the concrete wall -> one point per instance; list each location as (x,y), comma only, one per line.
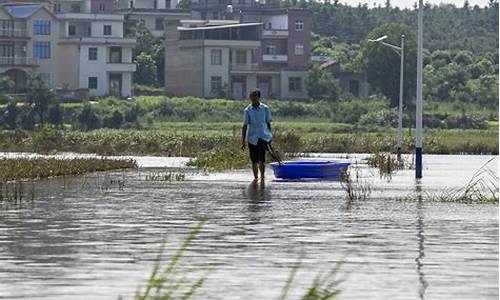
(97,28)
(216,70)
(68,73)
(299,37)
(183,68)
(93,68)
(277,22)
(285,91)
(48,66)
(108,4)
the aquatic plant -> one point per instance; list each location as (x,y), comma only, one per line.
(221,159)
(165,176)
(43,167)
(482,187)
(354,187)
(171,282)
(387,163)
(323,287)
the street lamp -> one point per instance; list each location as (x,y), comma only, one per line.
(401,52)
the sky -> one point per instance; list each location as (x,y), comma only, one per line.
(410,3)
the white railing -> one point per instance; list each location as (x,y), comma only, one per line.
(244,67)
(13,32)
(276,32)
(17,61)
(275,57)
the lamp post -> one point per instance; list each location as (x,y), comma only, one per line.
(418,117)
(401,52)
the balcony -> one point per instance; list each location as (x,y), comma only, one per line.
(120,67)
(275,58)
(243,67)
(13,33)
(275,33)
(18,61)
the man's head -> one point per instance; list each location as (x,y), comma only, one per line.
(255,97)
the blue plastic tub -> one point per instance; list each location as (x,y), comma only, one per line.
(309,169)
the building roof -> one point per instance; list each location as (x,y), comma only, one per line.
(219,26)
(22,11)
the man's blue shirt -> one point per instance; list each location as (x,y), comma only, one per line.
(257,118)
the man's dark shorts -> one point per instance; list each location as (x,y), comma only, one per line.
(258,152)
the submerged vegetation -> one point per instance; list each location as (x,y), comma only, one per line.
(170,282)
(387,163)
(165,176)
(482,187)
(43,167)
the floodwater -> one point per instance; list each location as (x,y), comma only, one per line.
(97,236)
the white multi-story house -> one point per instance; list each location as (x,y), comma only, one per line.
(73,45)
(152,12)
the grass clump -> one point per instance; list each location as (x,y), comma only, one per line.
(43,167)
(482,188)
(171,282)
(165,176)
(354,186)
(221,159)
(387,163)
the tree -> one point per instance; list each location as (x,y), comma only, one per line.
(152,50)
(184,4)
(10,115)
(320,84)
(56,113)
(88,119)
(39,96)
(5,85)
(382,65)
(146,69)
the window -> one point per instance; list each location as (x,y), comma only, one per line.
(57,8)
(216,57)
(102,6)
(115,55)
(75,8)
(271,49)
(242,2)
(241,57)
(93,83)
(299,25)
(155,4)
(41,27)
(159,23)
(45,77)
(216,83)
(92,53)
(168,4)
(71,30)
(107,29)
(299,49)
(295,84)
(41,49)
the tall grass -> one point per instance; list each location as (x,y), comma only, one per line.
(43,167)
(169,282)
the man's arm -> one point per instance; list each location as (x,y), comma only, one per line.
(243,135)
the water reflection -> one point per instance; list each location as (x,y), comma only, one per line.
(257,192)
(421,240)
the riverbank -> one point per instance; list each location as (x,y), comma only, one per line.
(19,168)
(174,139)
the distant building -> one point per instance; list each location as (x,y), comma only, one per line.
(277,60)
(73,45)
(354,83)
(211,59)
(152,12)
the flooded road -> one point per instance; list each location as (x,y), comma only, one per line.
(96,237)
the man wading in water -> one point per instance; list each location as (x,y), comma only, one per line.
(257,119)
